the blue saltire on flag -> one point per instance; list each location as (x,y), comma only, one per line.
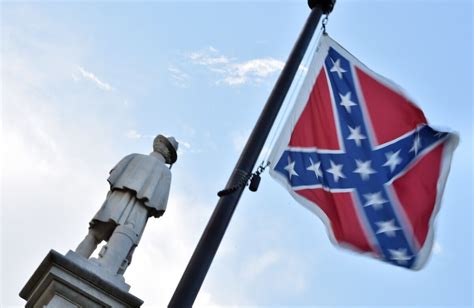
(360,154)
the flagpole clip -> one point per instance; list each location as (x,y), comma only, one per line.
(324,23)
(255,179)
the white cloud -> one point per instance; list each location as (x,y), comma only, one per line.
(184,147)
(180,78)
(252,71)
(234,73)
(208,56)
(133,134)
(185,144)
(90,76)
(258,67)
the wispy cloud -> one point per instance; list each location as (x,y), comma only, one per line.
(233,72)
(90,76)
(180,78)
(252,71)
(183,148)
(134,134)
(208,56)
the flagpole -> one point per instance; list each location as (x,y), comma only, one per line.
(201,260)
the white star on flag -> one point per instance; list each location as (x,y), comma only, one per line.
(416,144)
(375,200)
(399,255)
(316,168)
(336,67)
(393,160)
(356,135)
(290,168)
(336,171)
(364,169)
(346,101)
(387,227)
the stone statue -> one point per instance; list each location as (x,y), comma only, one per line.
(139,188)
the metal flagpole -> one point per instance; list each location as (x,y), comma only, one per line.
(201,260)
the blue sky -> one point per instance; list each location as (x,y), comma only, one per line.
(84,84)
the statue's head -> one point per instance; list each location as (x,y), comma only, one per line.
(166,146)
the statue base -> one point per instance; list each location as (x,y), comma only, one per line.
(73,281)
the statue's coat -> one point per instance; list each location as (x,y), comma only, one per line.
(145,177)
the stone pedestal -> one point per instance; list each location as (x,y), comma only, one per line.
(72,281)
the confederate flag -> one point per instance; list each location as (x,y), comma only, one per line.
(358,153)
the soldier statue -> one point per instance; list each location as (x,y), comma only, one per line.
(139,188)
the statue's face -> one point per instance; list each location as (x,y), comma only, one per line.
(161,148)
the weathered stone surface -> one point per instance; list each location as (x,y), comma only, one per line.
(93,266)
(61,281)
